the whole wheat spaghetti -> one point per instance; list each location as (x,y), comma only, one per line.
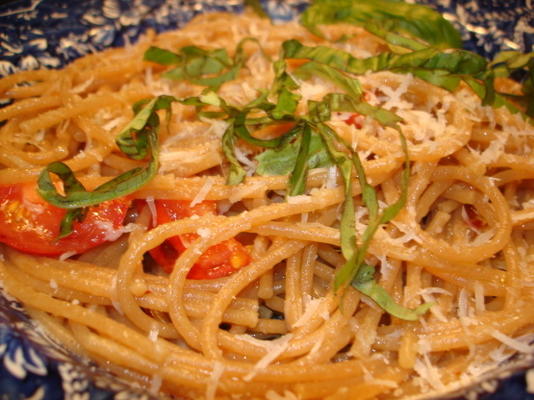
(279,322)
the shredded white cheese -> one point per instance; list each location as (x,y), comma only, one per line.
(511,342)
(152,208)
(204,190)
(275,348)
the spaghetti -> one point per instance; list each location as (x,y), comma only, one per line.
(275,325)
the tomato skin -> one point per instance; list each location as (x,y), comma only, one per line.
(30,224)
(220,260)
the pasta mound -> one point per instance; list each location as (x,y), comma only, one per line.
(276,328)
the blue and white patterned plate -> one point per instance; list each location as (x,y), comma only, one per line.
(50,33)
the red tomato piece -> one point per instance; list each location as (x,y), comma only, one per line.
(356,120)
(29,224)
(219,260)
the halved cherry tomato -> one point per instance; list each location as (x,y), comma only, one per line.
(217,261)
(30,224)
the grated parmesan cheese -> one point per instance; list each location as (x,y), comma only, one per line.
(511,342)
(67,255)
(313,307)
(274,349)
(152,208)
(204,190)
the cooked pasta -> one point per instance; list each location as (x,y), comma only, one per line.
(277,322)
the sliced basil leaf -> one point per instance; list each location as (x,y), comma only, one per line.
(241,130)
(281,161)
(413,20)
(237,173)
(283,88)
(202,67)
(366,284)
(312,68)
(393,39)
(344,163)
(436,77)
(498,100)
(66,225)
(453,61)
(299,174)
(161,56)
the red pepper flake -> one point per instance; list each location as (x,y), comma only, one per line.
(356,120)
(472,217)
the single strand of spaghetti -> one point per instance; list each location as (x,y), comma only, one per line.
(270,326)
(510,175)
(309,255)
(265,289)
(276,303)
(522,217)
(413,284)
(323,271)
(9,176)
(167,186)
(515,162)
(514,276)
(467,159)
(293,307)
(460,194)
(121,163)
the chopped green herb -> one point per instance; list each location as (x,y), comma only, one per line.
(411,20)
(366,284)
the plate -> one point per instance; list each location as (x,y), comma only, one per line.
(39,33)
